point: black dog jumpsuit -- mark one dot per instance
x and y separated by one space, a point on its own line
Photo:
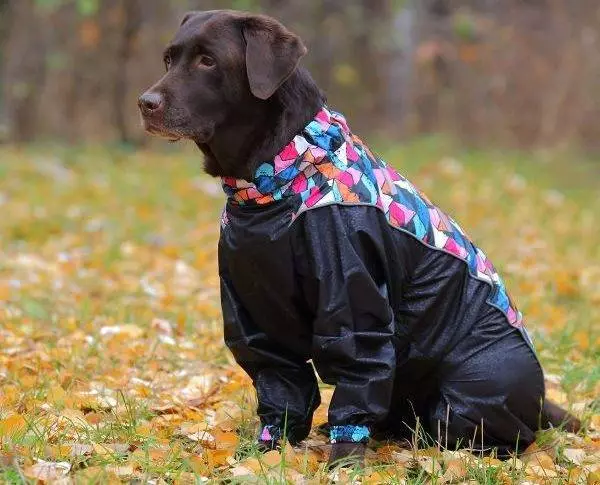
330 255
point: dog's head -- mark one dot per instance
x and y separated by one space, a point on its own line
219 66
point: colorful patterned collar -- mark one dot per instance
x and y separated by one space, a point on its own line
291 171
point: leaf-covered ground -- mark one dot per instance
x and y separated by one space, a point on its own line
112 366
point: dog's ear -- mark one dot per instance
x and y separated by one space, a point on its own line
272 54
187 17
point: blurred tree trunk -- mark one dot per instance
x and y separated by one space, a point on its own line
432 19
5 10
25 69
371 47
324 55
132 13
404 39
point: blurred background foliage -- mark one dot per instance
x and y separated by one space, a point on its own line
520 73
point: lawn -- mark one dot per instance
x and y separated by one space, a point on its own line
112 365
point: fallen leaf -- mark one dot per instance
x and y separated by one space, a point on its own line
56 395
378 477
217 458
455 470
162 326
127 330
462 455
74 418
12 425
122 471
80 449
533 455
491 462
294 477
516 464
252 464
536 471
574 455
289 455
6 459
429 465
96 475
47 471
241 471
102 450
384 453
165 408
403 457
141 456
593 478
226 440
197 390
186 478
431 452
271 458
577 477
204 438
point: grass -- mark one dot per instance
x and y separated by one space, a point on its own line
111 355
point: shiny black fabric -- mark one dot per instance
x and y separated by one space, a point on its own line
399 328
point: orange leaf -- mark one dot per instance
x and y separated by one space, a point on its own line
217 458
271 458
535 457
226 440
12 425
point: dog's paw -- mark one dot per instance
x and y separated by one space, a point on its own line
347 454
558 417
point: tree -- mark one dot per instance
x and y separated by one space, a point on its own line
132 19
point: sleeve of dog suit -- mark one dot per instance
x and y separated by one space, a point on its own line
353 324
285 384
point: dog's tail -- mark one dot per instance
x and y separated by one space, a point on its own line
553 416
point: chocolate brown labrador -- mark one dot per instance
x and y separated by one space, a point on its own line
233 86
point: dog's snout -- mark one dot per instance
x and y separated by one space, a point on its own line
150 102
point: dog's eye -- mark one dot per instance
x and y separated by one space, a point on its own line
205 61
167 61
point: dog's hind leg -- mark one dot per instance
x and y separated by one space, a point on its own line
555 416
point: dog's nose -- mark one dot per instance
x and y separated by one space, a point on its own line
150 102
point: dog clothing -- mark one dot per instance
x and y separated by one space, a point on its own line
329 257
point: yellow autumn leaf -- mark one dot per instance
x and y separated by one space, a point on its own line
12 425
56 395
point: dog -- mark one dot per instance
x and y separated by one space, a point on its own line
329 257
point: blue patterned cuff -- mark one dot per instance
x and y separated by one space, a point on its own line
270 435
349 434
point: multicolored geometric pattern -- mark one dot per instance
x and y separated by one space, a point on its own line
349 434
270 436
326 164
